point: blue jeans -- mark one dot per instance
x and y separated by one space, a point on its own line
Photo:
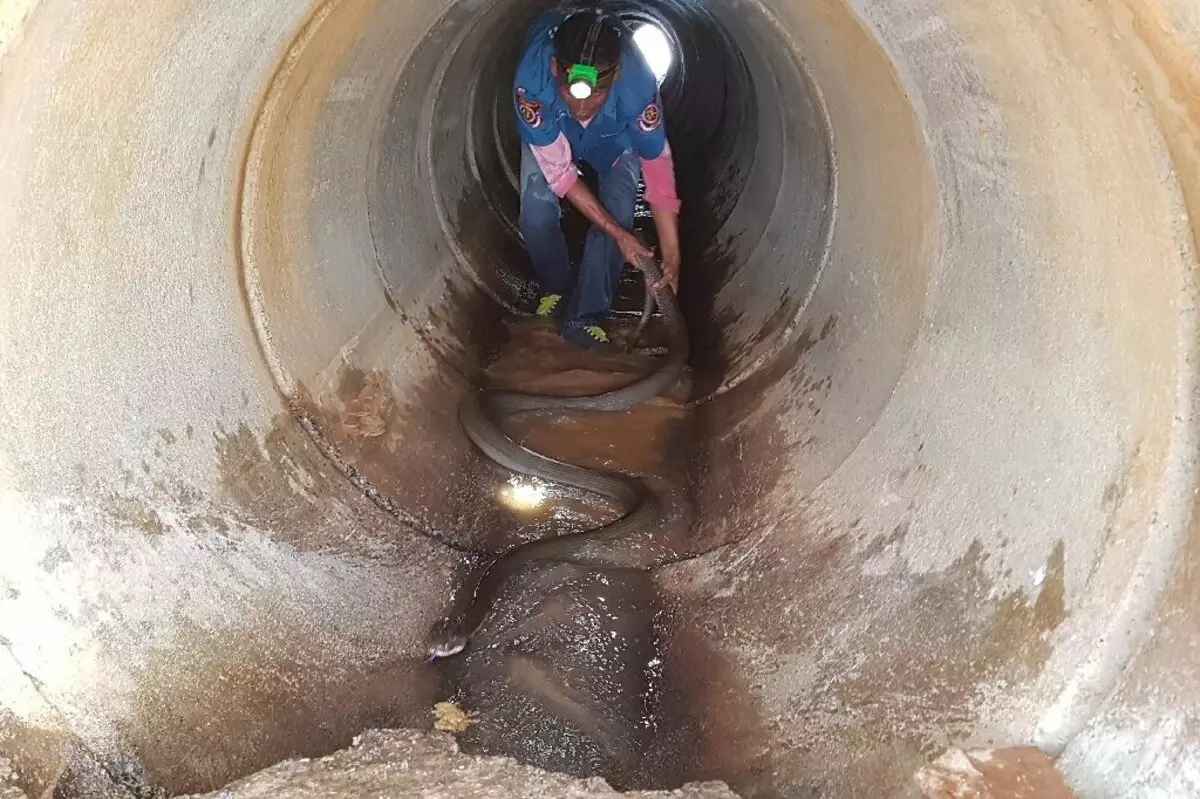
590 294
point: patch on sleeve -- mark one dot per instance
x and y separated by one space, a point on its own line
651 118
531 110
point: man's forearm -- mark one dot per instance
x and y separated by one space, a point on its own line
582 198
659 173
666 222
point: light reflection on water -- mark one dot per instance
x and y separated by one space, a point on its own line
523 493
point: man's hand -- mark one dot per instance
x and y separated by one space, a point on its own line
670 271
667 224
670 265
632 249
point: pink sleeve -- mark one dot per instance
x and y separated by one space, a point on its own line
660 181
557 165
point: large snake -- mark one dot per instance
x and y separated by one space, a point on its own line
613 545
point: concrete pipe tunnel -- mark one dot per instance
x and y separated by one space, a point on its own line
938 463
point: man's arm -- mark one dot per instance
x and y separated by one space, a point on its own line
649 136
667 224
559 170
582 198
659 173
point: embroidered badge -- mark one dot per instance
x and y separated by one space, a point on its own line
530 110
650 119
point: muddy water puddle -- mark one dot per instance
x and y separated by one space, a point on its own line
644 441
566 673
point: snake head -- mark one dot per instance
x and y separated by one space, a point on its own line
446 640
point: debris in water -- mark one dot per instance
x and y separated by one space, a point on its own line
1017 773
449 717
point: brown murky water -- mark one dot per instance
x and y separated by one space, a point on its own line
567 673
642 442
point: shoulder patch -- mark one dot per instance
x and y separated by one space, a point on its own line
531 110
650 118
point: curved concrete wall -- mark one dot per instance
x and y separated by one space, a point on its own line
948 434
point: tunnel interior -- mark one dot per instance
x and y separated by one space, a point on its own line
758 236
939 459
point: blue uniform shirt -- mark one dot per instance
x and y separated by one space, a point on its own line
631 117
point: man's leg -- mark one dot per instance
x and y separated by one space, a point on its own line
541 228
600 269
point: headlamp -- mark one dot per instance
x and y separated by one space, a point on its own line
582 80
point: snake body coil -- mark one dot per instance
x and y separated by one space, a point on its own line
607 546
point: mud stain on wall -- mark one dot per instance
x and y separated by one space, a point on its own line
235 701
883 692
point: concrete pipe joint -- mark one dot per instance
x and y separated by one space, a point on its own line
939 459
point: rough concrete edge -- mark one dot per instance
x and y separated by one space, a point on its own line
427 144
25 697
247 197
406 749
14 14
794 330
8 781
1144 740
15 18
1132 619
263 118
83 768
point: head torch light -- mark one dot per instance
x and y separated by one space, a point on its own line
582 80
583 77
